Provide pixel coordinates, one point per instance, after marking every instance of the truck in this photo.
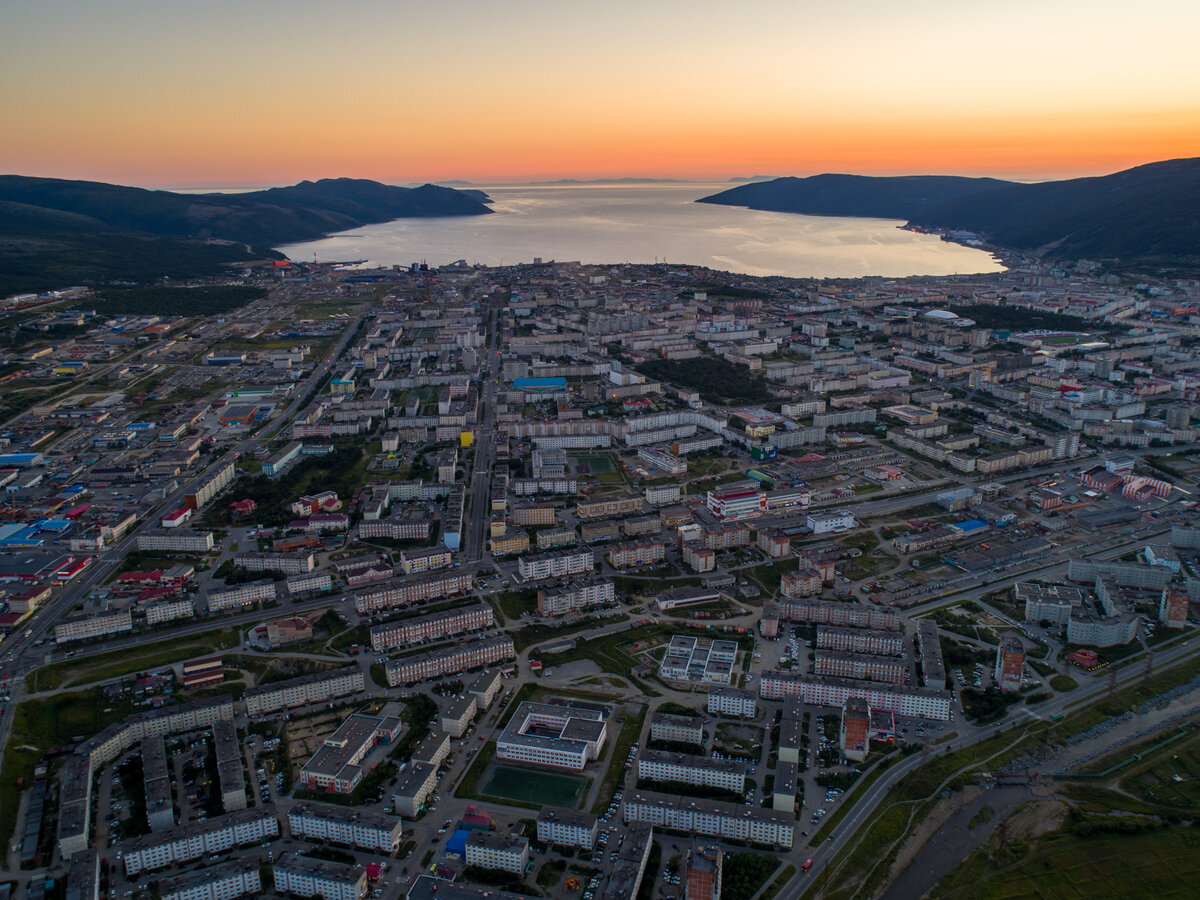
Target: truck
(806, 865)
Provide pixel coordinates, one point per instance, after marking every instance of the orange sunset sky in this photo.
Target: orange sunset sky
(218, 93)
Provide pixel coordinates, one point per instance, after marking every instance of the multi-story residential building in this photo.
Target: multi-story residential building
(451, 661)
(662, 494)
(1173, 608)
(855, 729)
(175, 540)
(224, 881)
(861, 666)
(416, 785)
(776, 544)
(316, 688)
(533, 514)
(552, 538)
(1010, 664)
(433, 749)
(337, 765)
(276, 463)
(861, 640)
(241, 596)
(726, 536)
(560, 737)
(455, 719)
(231, 781)
(608, 507)
(578, 594)
(160, 806)
(496, 850)
(821, 612)
(801, 583)
(395, 529)
(221, 478)
(414, 562)
(86, 626)
(309, 583)
(287, 563)
(711, 818)
(198, 839)
(351, 827)
(817, 690)
(662, 766)
(677, 729)
(637, 553)
(305, 877)
(567, 828)
(727, 701)
(431, 627)
(168, 610)
(75, 791)
(509, 543)
(484, 687)
(698, 557)
(413, 590)
(560, 564)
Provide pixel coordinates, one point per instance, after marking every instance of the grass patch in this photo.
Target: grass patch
(115, 663)
(535, 786)
(468, 786)
(1063, 683)
(780, 882)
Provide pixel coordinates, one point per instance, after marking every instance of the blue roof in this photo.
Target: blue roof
(540, 383)
(458, 843)
(971, 525)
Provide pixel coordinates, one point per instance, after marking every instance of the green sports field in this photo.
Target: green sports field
(532, 786)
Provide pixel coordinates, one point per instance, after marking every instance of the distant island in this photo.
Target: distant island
(55, 232)
(1145, 216)
(626, 180)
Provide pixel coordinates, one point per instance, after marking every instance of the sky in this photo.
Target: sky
(212, 93)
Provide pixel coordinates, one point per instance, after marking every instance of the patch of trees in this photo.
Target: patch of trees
(744, 874)
(717, 380)
(174, 301)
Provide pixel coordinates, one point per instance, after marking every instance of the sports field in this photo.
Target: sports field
(597, 465)
(532, 786)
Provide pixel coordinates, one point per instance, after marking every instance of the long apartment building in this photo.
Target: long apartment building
(316, 688)
(414, 562)
(176, 540)
(93, 625)
(496, 850)
(711, 818)
(241, 596)
(581, 593)
(287, 563)
(225, 881)
(609, 507)
(857, 665)
(824, 612)
(560, 564)
(703, 771)
(677, 729)
(451, 661)
(231, 780)
(567, 828)
(305, 877)
(75, 792)
(637, 553)
(221, 477)
(413, 590)
(861, 640)
(351, 827)
(818, 690)
(431, 627)
(198, 839)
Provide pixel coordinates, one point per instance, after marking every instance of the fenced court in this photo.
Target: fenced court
(531, 786)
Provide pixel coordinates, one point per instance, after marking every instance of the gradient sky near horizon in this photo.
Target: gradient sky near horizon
(222, 93)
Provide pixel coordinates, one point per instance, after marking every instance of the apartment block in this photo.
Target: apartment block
(416, 785)
(817, 690)
(677, 729)
(316, 688)
(860, 666)
(496, 850)
(176, 540)
(86, 626)
(450, 661)
(711, 818)
(305, 877)
(431, 627)
(342, 825)
(567, 828)
(225, 881)
(413, 590)
(217, 835)
(560, 564)
(242, 596)
(414, 562)
(727, 701)
(608, 508)
(632, 554)
(578, 594)
(702, 771)
(861, 640)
